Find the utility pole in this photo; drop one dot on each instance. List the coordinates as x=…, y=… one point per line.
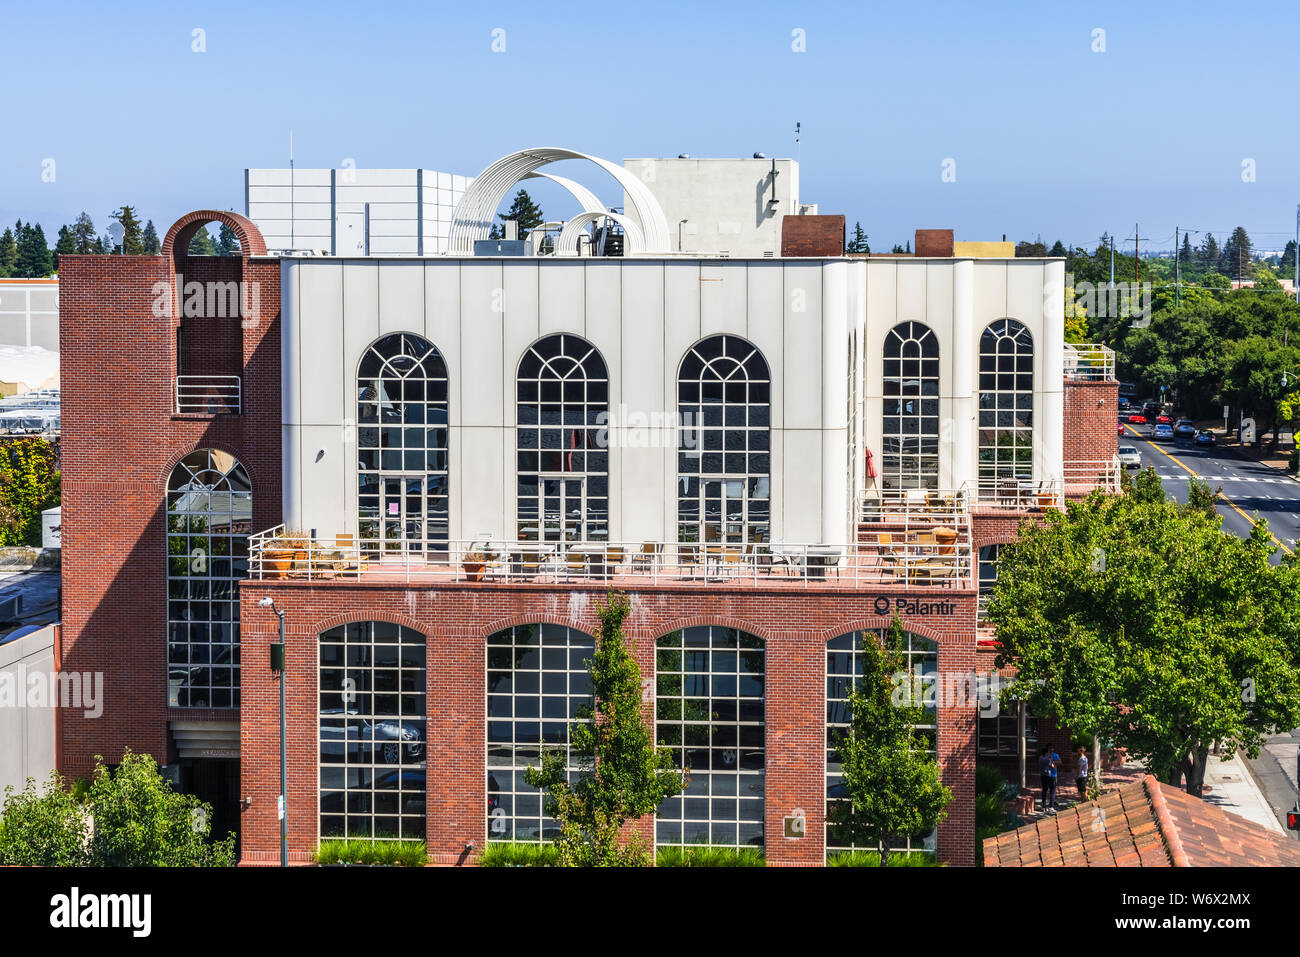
x=1136, y=238
x=1177, y=288
x=1297, y=253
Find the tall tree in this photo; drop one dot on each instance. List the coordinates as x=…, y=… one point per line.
x=65, y=244
x=83, y=232
x=1185, y=254
x=621, y=774
x=8, y=253
x=201, y=244
x=1235, y=259
x=132, y=235
x=1208, y=253
x=891, y=783
x=1135, y=618
x=1287, y=263
x=524, y=212
x=227, y=242
x=34, y=260
x=1058, y=249
x=149, y=239
x=859, y=243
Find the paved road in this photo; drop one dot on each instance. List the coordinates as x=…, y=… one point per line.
x=1247, y=489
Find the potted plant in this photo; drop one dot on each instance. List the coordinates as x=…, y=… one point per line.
x=280, y=553
x=474, y=562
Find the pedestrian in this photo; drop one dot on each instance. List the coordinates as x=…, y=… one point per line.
x=1081, y=774
x=1054, y=765
x=1045, y=775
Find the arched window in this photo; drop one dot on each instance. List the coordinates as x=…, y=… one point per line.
x=563, y=463
x=1006, y=396
x=209, y=517
x=372, y=731
x=844, y=667
x=724, y=462
x=402, y=475
x=536, y=682
x=710, y=685
x=910, y=447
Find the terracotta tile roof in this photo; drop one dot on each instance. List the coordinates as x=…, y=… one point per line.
x=1143, y=824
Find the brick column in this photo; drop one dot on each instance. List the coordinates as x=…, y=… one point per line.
x=796, y=747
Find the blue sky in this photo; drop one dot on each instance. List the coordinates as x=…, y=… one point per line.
x=1047, y=136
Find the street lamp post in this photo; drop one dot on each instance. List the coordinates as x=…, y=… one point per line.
x=277, y=666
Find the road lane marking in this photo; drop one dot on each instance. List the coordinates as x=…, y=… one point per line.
x=1231, y=504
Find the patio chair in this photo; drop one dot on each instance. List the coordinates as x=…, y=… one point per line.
x=648, y=556
x=575, y=564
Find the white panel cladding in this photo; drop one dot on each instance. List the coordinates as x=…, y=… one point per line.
x=802, y=486
x=328, y=480
x=482, y=356
x=401, y=296
x=442, y=324
x=483, y=482
x=647, y=456
x=560, y=298
x=724, y=294
x=290, y=339
x=834, y=490
x=320, y=314
x=520, y=327
x=798, y=365
x=965, y=451
x=1049, y=359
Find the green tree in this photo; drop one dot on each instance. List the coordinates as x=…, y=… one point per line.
x=891, y=784
x=83, y=232
x=621, y=774
x=8, y=253
x=149, y=239
x=29, y=483
x=201, y=244
x=132, y=233
x=1025, y=248
x=524, y=212
x=1234, y=262
x=34, y=259
x=1132, y=618
x=49, y=829
x=141, y=822
x=1058, y=249
x=227, y=243
x=859, y=242
x=65, y=244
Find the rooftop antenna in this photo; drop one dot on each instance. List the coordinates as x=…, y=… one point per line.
x=798, y=126
x=291, y=239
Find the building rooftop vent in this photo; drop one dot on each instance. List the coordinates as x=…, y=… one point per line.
x=683, y=156
x=759, y=156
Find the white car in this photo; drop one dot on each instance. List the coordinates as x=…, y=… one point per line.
x=1129, y=458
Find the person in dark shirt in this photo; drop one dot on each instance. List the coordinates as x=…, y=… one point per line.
x=1081, y=775
x=1045, y=777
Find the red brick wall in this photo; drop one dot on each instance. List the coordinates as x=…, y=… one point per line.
x=210, y=344
x=121, y=438
x=457, y=618
x=1091, y=415
x=812, y=235
x=934, y=242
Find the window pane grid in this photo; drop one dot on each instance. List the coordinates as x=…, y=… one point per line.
x=710, y=691
x=536, y=682
x=910, y=434
x=844, y=666
x=209, y=517
x=372, y=731
x=1006, y=402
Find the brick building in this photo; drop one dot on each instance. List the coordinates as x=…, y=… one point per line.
x=436, y=466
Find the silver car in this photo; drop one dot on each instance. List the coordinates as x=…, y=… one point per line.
x=1129, y=457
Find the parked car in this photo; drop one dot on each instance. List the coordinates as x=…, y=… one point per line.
x=391, y=735
x=1137, y=418
x=1119, y=429
x=1184, y=429
x=1129, y=457
x=1162, y=433
x=1204, y=437
x=1123, y=402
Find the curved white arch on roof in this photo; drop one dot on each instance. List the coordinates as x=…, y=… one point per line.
x=588, y=200
x=566, y=244
x=477, y=208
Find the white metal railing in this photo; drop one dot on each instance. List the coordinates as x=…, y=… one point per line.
x=1089, y=361
x=1018, y=493
x=208, y=394
x=1083, y=476
x=935, y=558
x=914, y=507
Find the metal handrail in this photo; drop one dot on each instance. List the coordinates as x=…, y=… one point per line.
x=920, y=559
x=208, y=394
x=1098, y=473
x=1019, y=493
x=1089, y=361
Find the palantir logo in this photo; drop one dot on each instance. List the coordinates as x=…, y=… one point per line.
x=109, y=911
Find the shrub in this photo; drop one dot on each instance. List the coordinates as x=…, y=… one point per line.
x=43, y=830
x=872, y=859
x=371, y=852
x=519, y=854
x=710, y=857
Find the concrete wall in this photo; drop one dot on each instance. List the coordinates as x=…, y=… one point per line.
x=643, y=315
x=27, y=734
x=724, y=202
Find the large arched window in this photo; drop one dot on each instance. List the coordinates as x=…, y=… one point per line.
x=536, y=682
x=402, y=475
x=372, y=731
x=563, y=465
x=910, y=446
x=1006, y=396
x=209, y=517
x=724, y=462
x=710, y=685
x=844, y=667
